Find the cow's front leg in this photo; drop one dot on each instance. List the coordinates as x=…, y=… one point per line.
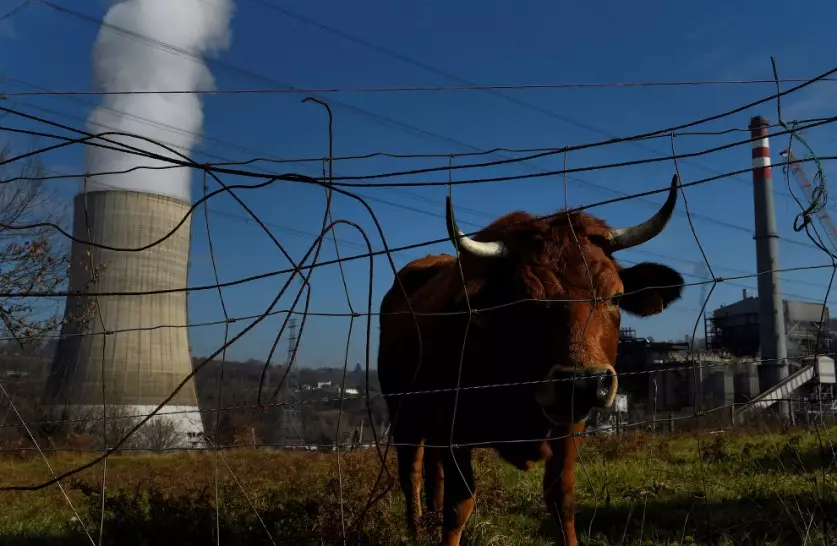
x=434, y=480
x=559, y=481
x=459, y=494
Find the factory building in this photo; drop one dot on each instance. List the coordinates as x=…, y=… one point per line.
x=662, y=376
x=734, y=328
x=665, y=377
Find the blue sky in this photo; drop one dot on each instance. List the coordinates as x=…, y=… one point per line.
x=432, y=43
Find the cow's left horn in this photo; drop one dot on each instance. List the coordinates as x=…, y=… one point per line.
x=622, y=238
x=493, y=249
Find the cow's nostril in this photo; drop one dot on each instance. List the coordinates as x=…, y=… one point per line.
x=603, y=384
x=606, y=387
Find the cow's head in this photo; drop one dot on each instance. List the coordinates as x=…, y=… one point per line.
x=554, y=297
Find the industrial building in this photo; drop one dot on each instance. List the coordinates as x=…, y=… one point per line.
x=735, y=328
x=662, y=375
x=760, y=352
x=637, y=355
x=665, y=377
x=131, y=349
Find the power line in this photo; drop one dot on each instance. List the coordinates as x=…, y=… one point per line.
x=216, y=156
x=304, y=233
x=301, y=178
x=383, y=119
x=372, y=253
x=179, y=51
x=541, y=174
x=270, y=158
x=714, y=221
x=225, y=161
x=465, y=82
x=14, y=11
x=588, y=168
x=293, y=177
x=418, y=88
x=378, y=118
x=447, y=155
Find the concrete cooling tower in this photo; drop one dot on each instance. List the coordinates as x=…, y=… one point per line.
x=140, y=359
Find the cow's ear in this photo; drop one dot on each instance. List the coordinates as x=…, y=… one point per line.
x=649, y=288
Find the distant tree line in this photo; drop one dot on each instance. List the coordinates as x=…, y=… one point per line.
x=243, y=420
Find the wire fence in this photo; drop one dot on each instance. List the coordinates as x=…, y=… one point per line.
x=677, y=454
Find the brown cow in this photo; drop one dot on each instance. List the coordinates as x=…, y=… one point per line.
x=528, y=365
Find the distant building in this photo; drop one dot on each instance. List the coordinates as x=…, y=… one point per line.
x=734, y=328
x=639, y=354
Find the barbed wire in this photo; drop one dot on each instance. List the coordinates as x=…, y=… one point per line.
x=458, y=446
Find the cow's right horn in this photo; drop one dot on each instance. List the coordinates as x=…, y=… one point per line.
x=622, y=238
x=493, y=249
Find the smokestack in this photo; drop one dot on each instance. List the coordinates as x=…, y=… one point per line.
x=136, y=347
x=771, y=311
x=745, y=294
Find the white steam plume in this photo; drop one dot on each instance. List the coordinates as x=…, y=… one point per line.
x=124, y=59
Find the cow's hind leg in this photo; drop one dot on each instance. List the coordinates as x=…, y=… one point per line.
x=409, y=475
x=434, y=481
x=460, y=494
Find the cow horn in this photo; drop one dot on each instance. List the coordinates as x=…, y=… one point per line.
x=622, y=238
x=493, y=249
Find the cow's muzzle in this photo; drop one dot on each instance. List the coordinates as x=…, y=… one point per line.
x=593, y=386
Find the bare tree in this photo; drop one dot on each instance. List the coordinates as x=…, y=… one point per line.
x=33, y=255
x=158, y=434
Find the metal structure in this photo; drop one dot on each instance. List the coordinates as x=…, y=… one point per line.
x=290, y=416
x=808, y=189
x=637, y=355
x=812, y=384
x=774, y=367
x=113, y=346
x=611, y=420
x=736, y=328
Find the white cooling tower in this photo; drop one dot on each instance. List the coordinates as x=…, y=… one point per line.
x=144, y=352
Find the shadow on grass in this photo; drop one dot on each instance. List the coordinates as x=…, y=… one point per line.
x=34, y=540
x=789, y=459
x=146, y=516
x=771, y=520
x=760, y=521
x=176, y=534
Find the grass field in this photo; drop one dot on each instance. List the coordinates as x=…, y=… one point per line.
x=633, y=489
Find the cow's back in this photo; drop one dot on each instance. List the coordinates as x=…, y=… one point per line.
x=413, y=277
x=426, y=283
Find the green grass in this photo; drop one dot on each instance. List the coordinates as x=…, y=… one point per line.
x=634, y=489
